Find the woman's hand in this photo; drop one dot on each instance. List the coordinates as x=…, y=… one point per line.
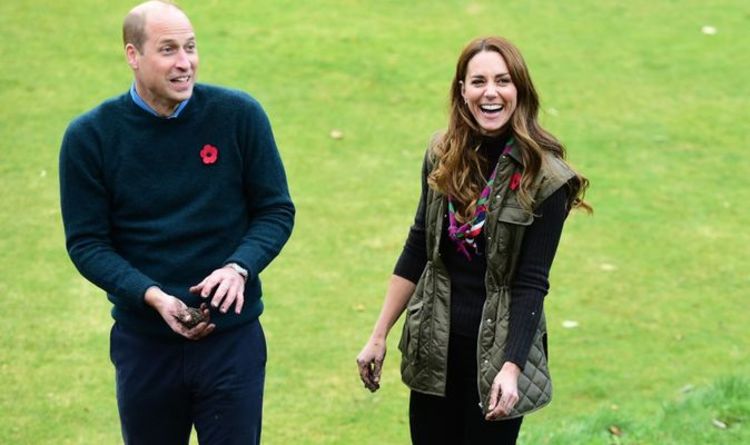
x=370, y=360
x=370, y=363
x=504, y=392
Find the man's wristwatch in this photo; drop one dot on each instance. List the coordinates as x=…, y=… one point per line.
x=239, y=269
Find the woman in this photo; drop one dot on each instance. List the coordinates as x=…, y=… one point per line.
x=473, y=273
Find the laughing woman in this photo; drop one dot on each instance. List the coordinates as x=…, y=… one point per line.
x=473, y=273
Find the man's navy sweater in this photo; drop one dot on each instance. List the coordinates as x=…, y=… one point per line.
x=143, y=205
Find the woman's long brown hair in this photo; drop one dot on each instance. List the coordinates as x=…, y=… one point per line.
x=458, y=170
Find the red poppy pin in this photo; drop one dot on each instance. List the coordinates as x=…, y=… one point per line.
x=209, y=154
x=515, y=181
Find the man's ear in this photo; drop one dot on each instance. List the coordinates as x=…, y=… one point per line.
x=131, y=54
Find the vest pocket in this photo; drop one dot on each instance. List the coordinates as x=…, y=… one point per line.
x=534, y=383
x=515, y=215
x=510, y=220
x=409, y=344
x=411, y=333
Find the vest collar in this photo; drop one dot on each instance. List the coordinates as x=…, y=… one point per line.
x=515, y=153
x=500, y=141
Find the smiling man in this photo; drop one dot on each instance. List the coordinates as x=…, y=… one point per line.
x=174, y=199
x=165, y=63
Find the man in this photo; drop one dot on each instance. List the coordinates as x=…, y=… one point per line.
x=174, y=197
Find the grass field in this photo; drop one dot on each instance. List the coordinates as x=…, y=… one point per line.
x=653, y=110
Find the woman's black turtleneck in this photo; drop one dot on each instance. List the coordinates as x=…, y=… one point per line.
x=530, y=283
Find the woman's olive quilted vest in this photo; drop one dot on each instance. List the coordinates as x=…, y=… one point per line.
x=424, y=340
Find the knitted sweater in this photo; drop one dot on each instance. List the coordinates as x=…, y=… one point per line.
x=148, y=201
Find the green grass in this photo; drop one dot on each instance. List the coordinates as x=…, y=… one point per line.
x=714, y=415
x=653, y=111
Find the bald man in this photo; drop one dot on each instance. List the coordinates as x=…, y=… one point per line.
x=174, y=199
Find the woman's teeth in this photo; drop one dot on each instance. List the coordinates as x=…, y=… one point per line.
x=491, y=108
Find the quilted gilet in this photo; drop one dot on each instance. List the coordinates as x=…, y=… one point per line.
x=426, y=329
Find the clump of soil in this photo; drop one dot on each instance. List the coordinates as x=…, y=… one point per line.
x=195, y=316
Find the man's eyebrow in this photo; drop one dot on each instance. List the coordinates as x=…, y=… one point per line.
x=171, y=41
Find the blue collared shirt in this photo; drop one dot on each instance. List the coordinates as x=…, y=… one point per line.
x=141, y=103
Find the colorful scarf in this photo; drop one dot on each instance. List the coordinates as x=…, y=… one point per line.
x=466, y=234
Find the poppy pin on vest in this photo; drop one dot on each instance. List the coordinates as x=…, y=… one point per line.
x=515, y=181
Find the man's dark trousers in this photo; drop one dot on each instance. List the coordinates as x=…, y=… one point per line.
x=166, y=386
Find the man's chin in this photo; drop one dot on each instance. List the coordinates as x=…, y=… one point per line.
x=183, y=96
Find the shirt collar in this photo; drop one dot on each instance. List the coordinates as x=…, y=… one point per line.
x=141, y=103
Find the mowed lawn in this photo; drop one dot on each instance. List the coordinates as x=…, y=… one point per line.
x=652, y=105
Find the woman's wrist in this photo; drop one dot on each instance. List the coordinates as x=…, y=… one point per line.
x=511, y=368
x=378, y=336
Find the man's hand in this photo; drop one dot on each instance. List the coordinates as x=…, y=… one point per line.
x=370, y=363
x=175, y=313
x=227, y=286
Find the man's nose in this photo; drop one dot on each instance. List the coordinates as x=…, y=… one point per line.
x=183, y=61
